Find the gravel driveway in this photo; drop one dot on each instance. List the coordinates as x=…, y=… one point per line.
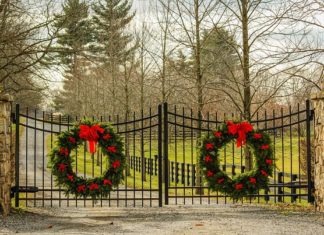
x=217, y=219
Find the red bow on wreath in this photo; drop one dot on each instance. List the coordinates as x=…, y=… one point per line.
x=241, y=129
x=90, y=133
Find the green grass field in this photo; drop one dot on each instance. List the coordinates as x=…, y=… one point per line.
x=287, y=154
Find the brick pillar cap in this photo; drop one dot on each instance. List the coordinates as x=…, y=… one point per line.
x=6, y=98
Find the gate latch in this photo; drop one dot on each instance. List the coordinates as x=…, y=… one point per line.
x=23, y=189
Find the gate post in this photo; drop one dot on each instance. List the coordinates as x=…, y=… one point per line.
x=318, y=103
x=160, y=154
x=6, y=157
x=309, y=154
x=165, y=153
x=17, y=144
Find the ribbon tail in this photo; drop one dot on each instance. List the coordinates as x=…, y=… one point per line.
x=241, y=139
x=239, y=143
x=92, y=146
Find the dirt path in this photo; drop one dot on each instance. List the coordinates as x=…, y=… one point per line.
x=33, y=154
x=168, y=220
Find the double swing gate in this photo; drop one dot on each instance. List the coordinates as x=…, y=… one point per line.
x=161, y=153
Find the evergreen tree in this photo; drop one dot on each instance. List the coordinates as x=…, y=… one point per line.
x=218, y=53
x=219, y=61
x=72, y=49
x=113, y=44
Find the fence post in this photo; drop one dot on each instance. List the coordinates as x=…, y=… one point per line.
x=177, y=172
x=151, y=166
x=145, y=164
x=242, y=169
x=293, y=187
x=188, y=174
x=183, y=174
x=233, y=170
x=165, y=153
x=266, y=195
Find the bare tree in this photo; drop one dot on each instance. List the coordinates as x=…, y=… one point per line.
x=189, y=17
x=24, y=42
x=270, y=48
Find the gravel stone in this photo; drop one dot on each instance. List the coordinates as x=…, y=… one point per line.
x=212, y=219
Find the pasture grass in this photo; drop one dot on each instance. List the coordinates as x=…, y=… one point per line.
x=287, y=154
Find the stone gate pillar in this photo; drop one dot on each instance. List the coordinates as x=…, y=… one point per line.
x=6, y=156
x=318, y=104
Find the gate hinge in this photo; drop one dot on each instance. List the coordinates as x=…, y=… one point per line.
x=13, y=117
x=311, y=115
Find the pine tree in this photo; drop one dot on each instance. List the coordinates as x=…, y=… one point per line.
x=113, y=44
x=216, y=42
x=72, y=48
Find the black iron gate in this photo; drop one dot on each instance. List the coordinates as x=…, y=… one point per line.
x=291, y=134
x=160, y=146
x=36, y=134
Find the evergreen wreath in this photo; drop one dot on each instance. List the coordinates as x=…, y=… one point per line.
x=247, y=183
x=108, y=141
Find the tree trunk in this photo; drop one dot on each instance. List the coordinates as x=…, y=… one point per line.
x=246, y=77
x=113, y=101
x=163, y=75
x=127, y=109
x=142, y=103
x=199, y=94
x=142, y=67
x=164, y=64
